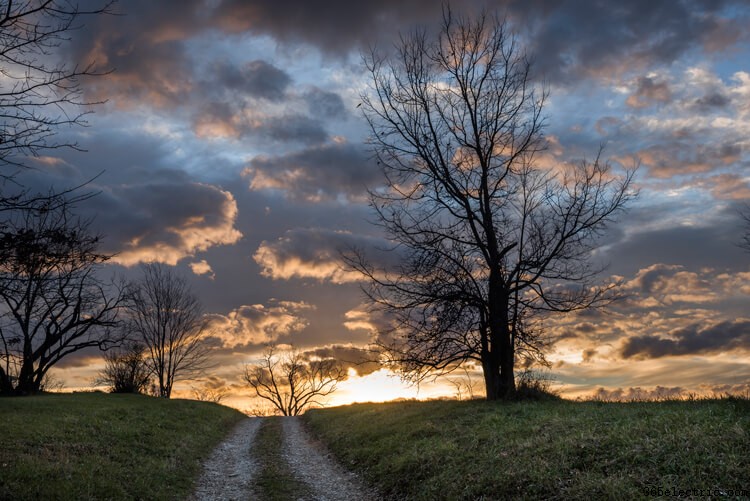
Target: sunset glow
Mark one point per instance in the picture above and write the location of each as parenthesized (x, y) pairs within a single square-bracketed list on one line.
[(232, 147)]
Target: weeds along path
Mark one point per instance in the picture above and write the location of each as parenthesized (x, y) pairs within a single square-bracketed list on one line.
[(312, 465), (230, 471)]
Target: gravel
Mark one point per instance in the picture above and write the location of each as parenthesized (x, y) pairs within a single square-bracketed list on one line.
[(312, 464), (228, 473)]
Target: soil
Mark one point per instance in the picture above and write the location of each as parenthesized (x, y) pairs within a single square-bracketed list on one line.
[(228, 473)]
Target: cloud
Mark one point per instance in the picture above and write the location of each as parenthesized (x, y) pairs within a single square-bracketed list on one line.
[(323, 103), (326, 172), (648, 92), (694, 339), (665, 311), (202, 268), (153, 45), (257, 324), (336, 27), (257, 78), (680, 157), (360, 359), (671, 284), (144, 48), (222, 120), (165, 222), (571, 41), (313, 253), (727, 186), (692, 246)]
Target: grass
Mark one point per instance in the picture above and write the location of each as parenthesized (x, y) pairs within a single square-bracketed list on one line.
[(275, 480), (101, 446), (542, 450)]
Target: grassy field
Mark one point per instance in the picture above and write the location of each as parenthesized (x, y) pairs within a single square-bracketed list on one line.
[(101, 446), (549, 449)]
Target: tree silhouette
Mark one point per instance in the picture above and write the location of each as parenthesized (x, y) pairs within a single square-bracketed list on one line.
[(125, 370), (51, 302), (489, 237), (166, 317), (292, 382)]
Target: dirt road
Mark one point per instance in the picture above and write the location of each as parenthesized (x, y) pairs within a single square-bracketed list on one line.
[(231, 471)]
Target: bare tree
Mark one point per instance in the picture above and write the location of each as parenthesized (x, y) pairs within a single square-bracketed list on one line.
[(490, 238), (167, 318), (208, 393), (52, 303), (125, 370), (292, 382), (38, 93)]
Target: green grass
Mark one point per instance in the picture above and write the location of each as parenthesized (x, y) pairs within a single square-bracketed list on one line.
[(101, 446), (534, 450), (275, 481)]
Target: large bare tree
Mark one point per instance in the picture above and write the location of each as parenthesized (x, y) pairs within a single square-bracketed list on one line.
[(489, 237), (52, 304), (167, 318), (291, 381)]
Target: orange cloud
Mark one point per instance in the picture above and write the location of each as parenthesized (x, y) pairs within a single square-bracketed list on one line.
[(186, 234), (258, 324)]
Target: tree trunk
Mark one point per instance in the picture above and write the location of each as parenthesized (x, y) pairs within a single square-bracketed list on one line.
[(6, 385), (498, 368), (507, 364), (491, 377), (27, 384)]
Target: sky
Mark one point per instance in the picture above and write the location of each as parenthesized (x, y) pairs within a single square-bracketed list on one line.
[(230, 146)]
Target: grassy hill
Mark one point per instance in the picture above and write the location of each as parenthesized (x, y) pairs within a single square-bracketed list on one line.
[(543, 450), (101, 446)]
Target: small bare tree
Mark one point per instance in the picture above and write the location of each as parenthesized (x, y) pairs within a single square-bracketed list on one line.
[(125, 370), (292, 382), (167, 318), (208, 393)]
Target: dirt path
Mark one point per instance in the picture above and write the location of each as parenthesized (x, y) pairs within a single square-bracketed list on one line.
[(312, 464), (228, 473)]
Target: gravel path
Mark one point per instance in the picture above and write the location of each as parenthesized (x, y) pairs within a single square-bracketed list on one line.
[(228, 473), (313, 465)]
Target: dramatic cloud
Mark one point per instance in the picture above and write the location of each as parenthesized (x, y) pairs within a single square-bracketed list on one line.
[(691, 340), (209, 98), (570, 40), (255, 79), (316, 253), (166, 222), (257, 324), (326, 172)]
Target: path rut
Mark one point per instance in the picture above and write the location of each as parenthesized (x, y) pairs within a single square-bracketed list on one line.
[(313, 465), (228, 473)]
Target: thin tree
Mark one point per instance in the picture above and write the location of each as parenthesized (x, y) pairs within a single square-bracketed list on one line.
[(52, 303), (167, 318), (489, 238), (125, 370), (292, 382)]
